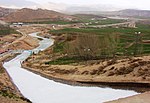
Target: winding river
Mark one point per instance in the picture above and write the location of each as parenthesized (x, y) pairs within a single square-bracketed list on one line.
[(42, 90)]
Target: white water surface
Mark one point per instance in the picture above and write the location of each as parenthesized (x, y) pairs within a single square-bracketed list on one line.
[(42, 90)]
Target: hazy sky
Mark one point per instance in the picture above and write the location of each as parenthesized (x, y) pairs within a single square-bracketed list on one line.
[(119, 4), (137, 4)]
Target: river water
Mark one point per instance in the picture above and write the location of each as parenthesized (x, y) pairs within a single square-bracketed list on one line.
[(42, 90)]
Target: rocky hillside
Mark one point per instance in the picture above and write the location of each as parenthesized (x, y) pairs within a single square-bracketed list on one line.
[(28, 15), (5, 11)]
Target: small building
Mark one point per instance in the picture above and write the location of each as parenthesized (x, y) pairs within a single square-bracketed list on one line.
[(17, 24)]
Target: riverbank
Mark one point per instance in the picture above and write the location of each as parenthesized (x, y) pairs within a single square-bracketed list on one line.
[(18, 41), (8, 91), (131, 71), (60, 71), (25, 81)]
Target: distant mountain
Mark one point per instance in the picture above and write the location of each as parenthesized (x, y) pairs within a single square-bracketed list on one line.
[(134, 13), (89, 9), (5, 11), (30, 15)]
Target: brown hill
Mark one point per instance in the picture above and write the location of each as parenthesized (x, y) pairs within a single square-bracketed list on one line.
[(30, 15), (5, 11)]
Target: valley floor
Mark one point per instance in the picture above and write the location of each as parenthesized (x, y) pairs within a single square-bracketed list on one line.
[(128, 70)]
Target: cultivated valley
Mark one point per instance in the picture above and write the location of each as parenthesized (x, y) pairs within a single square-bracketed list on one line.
[(49, 56)]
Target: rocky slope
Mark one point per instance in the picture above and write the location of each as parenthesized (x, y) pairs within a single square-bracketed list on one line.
[(5, 11), (28, 15)]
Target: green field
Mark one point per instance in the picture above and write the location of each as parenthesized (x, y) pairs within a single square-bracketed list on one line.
[(5, 30), (53, 22), (126, 35), (105, 21), (83, 20)]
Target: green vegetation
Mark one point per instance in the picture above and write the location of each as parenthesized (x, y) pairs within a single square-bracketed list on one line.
[(101, 31), (80, 20), (5, 30), (59, 22), (9, 94), (1, 69), (59, 47), (6, 93), (112, 42), (106, 21)]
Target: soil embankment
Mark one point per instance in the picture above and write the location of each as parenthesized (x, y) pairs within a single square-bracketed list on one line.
[(8, 91), (18, 41), (133, 70), (129, 71)]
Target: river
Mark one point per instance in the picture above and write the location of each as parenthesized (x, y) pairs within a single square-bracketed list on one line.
[(41, 90)]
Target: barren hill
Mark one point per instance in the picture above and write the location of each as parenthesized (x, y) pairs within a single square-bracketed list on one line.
[(5, 11), (30, 15)]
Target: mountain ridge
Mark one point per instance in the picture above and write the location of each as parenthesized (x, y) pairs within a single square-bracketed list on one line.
[(28, 15)]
